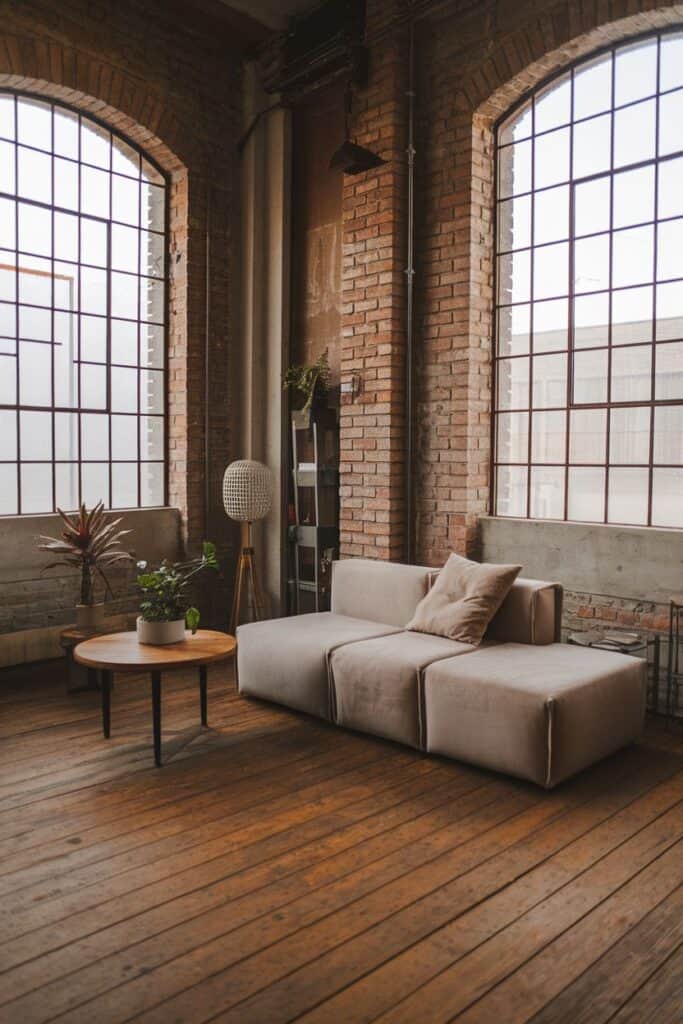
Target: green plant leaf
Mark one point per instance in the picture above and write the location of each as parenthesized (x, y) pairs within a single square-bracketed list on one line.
[(192, 619)]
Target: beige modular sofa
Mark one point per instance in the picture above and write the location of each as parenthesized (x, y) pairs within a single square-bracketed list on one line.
[(520, 703)]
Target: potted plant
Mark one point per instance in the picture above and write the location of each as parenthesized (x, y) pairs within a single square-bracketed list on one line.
[(90, 544), (307, 386), (166, 611)]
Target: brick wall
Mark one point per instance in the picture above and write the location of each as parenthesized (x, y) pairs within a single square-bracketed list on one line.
[(474, 61), (171, 81)]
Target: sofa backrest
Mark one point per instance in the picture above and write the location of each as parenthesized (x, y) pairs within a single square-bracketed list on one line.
[(386, 592), (389, 592)]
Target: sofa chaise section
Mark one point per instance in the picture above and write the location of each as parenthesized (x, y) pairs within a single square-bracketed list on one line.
[(540, 712)]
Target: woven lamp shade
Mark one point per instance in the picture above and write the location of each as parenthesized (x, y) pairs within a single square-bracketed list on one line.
[(247, 490)]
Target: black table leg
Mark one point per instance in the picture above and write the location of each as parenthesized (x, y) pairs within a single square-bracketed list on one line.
[(105, 684), (156, 716), (202, 693)]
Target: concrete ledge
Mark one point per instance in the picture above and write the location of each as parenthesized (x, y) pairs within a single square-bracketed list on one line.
[(643, 563)]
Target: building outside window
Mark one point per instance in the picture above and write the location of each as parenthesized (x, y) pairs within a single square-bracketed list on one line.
[(589, 293), (82, 313)]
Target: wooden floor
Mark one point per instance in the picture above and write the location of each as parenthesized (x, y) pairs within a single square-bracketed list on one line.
[(276, 869)]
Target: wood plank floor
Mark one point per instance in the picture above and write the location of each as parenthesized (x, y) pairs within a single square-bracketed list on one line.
[(277, 869)]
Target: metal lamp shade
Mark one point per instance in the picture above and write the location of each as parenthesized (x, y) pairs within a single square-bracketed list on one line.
[(247, 490)]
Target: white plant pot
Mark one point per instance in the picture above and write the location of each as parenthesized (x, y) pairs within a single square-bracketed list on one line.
[(160, 633)]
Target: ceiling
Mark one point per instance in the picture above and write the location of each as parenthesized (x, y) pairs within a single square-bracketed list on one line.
[(271, 13)]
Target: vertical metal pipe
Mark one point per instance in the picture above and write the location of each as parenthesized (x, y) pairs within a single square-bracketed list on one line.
[(410, 276), (207, 343)]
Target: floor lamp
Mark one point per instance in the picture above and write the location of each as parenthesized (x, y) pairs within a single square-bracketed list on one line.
[(247, 497)]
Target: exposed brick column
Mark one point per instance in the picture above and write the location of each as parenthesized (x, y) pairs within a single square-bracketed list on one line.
[(372, 435)]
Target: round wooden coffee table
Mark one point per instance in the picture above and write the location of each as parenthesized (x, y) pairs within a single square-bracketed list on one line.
[(121, 652)]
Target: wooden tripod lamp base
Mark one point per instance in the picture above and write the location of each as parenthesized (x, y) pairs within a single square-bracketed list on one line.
[(246, 582)]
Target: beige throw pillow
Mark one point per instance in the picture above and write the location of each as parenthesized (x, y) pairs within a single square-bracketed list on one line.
[(464, 599)]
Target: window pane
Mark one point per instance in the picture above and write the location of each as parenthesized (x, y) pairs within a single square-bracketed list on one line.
[(513, 436), (552, 158), (95, 482), (8, 387), (551, 215), (94, 242), (586, 498), (8, 277), (36, 436), (35, 386), (634, 133), (628, 489), (8, 223), (592, 146), (551, 271), (66, 436), (7, 116), (124, 438), (587, 435), (36, 488), (591, 206), (94, 339), (66, 236), (634, 196), (548, 437), (153, 342), (632, 256), (670, 197), (632, 373), (550, 381), (514, 169), (513, 383), (66, 133), (668, 440), (591, 264), (152, 206), (551, 325), (152, 250), (8, 181), (553, 105), (34, 123), (125, 200), (516, 127), (152, 300), (151, 391), (66, 486), (669, 371), (124, 296), (670, 250), (95, 145), (93, 386), (593, 87), (629, 436), (151, 483), (35, 281), (35, 229), (590, 377), (635, 72), (547, 493), (66, 184), (94, 192), (8, 435), (124, 485), (124, 390), (124, 248), (591, 320), (671, 123), (514, 277), (94, 437), (667, 497), (632, 316), (124, 342), (35, 178), (152, 437), (669, 311), (8, 490), (511, 490), (671, 61), (125, 159), (93, 291)]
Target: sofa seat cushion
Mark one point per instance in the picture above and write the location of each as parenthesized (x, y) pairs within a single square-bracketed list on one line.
[(542, 713), (377, 684), (286, 660)]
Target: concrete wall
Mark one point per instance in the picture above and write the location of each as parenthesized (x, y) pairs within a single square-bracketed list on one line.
[(613, 575), (36, 605)]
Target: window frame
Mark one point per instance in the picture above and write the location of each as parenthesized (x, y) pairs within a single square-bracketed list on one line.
[(85, 117), (570, 405)]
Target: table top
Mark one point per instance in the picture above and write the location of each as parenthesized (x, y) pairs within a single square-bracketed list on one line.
[(122, 652)]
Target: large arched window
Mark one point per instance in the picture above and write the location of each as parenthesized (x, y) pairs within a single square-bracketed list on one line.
[(589, 295), (82, 313)]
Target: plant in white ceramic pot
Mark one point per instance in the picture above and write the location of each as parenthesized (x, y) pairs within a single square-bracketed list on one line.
[(166, 610), (90, 544)]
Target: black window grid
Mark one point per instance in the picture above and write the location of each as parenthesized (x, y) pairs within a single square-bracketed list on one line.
[(79, 408), (570, 350)]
